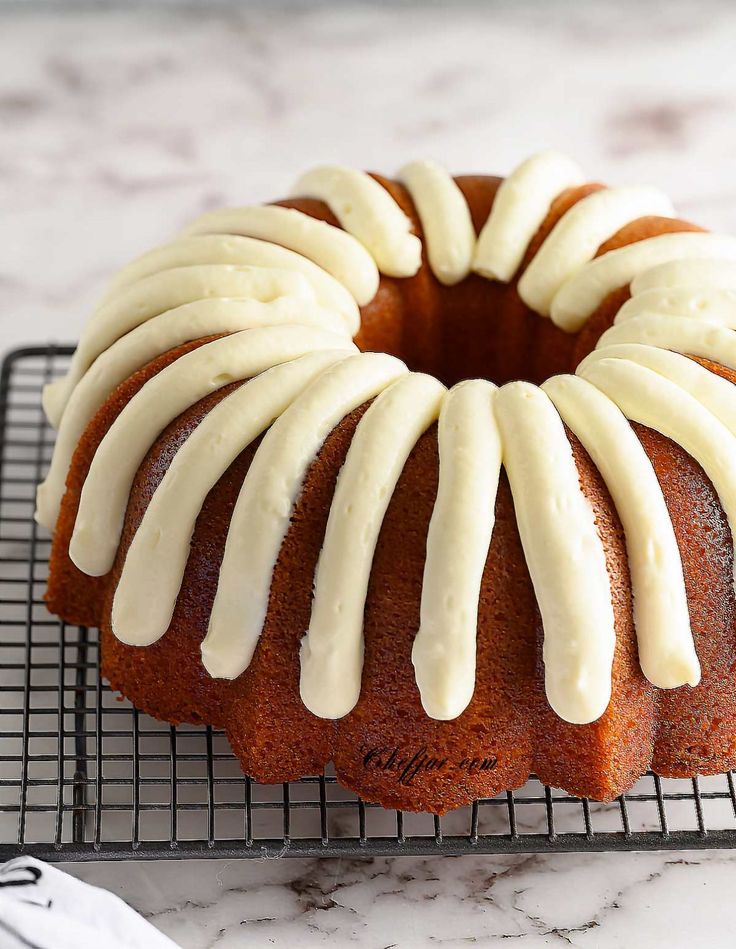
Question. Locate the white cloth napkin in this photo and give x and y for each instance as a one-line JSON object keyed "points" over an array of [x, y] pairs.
{"points": [[43, 908]]}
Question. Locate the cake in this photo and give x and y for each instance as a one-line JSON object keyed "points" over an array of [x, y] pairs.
{"points": [[429, 478]]}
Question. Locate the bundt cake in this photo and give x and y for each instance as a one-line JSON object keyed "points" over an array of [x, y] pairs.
{"points": [[288, 493]]}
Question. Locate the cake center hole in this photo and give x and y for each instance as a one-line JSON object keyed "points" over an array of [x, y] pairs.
{"points": [[486, 332]]}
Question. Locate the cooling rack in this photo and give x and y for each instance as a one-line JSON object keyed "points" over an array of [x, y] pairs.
{"points": [[85, 776]]}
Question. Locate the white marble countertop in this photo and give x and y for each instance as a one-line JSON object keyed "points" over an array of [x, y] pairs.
{"points": [[116, 127]]}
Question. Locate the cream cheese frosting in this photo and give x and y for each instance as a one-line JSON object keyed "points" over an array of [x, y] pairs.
{"points": [[712, 391], [576, 237], [104, 497], [714, 305], [563, 551], [458, 540], [236, 250], [694, 271], [163, 291], [331, 248], [368, 212], [287, 289], [183, 324], [683, 335], [154, 566], [584, 291], [445, 216], [522, 203], [260, 519], [649, 398], [332, 650], [666, 648]]}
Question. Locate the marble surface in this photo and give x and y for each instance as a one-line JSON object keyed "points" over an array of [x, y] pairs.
{"points": [[118, 126]]}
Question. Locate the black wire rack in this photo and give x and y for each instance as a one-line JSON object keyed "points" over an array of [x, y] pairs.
{"points": [[85, 776]]}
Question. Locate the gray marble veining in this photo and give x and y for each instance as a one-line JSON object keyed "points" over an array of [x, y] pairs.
{"points": [[117, 126]]}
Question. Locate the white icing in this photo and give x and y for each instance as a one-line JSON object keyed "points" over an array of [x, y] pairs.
{"points": [[262, 512], [334, 250], [154, 564], [646, 397], [457, 548], [160, 292], [563, 551], [698, 271], [445, 216], [521, 204], [576, 237], [332, 650], [683, 335], [712, 305], [584, 291], [166, 395], [236, 250], [367, 211], [666, 648], [714, 392], [164, 332], [287, 288]]}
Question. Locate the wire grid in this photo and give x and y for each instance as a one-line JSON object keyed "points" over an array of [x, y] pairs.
{"points": [[85, 776]]}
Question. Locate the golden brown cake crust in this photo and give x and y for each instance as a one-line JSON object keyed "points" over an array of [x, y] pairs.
{"points": [[387, 749]]}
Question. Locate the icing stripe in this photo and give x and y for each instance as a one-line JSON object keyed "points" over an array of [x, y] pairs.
{"points": [[154, 565], [693, 272], [367, 211], [236, 250], [710, 305], [262, 512], [332, 650], [576, 237], [166, 395], [648, 398], [683, 335], [563, 551], [457, 548], [585, 290], [160, 334], [711, 390], [666, 648], [332, 249], [445, 216], [164, 291], [521, 204]]}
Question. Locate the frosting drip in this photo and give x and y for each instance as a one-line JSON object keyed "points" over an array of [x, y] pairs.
{"points": [[646, 397], [106, 489], [712, 391], [332, 650], [563, 551], [711, 305], [584, 292], [270, 489], [181, 325], [332, 249], [666, 649], [705, 272], [521, 205], [577, 236], [445, 216], [683, 335], [154, 565], [458, 540], [163, 291], [237, 251], [368, 212]]}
